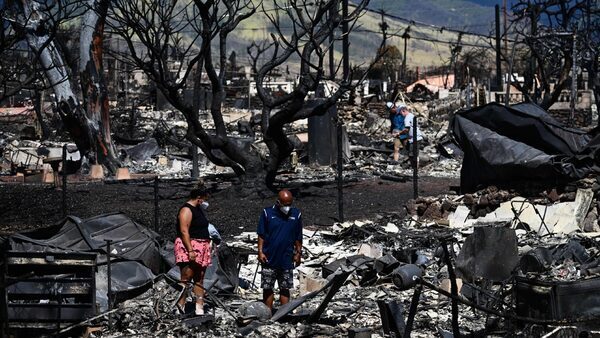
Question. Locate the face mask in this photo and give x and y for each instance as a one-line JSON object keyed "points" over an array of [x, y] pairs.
{"points": [[204, 205], [285, 209]]}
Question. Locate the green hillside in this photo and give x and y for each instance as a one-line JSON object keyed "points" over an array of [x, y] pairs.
{"points": [[458, 14], [367, 37]]}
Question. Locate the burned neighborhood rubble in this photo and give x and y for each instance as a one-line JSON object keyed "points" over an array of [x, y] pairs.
{"points": [[431, 172], [524, 266], [159, 146], [521, 260]]}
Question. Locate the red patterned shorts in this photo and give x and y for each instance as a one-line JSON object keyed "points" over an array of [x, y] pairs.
{"points": [[200, 246]]}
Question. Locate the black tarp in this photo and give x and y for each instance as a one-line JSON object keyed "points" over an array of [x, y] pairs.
{"points": [[521, 143], [137, 257], [143, 151], [135, 251], [130, 240]]}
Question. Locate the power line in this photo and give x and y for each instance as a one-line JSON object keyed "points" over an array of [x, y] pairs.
{"points": [[426, 39], [423, 24]]}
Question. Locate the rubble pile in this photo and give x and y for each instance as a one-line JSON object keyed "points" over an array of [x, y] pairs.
{"points": [[369, 267], [476, 205], [153, 142], [362, 276], [574, 208], [370, 141], [377, 268]]}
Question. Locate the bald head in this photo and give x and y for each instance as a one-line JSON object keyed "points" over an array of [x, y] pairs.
{"points": [[285, 197]]}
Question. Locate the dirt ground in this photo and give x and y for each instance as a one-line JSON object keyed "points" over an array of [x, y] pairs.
{"points": [[30, 206]]}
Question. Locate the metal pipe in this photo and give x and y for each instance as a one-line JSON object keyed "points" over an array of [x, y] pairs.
{"points": [[498, 51], [346, 43], [453, 290], [573, 82], [415, 160], [64, 180], [156, 216], [340, 170], [332, 15], [109, 281], [405, 37], [413, 310]]}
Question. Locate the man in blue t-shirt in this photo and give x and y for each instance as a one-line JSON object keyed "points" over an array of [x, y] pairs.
{"points": [[279, 247], [397, 125]]}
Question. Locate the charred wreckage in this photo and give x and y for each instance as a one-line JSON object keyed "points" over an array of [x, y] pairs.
{"points": [[494, 259]]}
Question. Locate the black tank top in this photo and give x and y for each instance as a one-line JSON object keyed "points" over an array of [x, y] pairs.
{"points": [[198, 225]]}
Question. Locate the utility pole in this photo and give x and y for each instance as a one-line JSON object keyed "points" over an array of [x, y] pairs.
{"points": [[332, 18], [384, 26], [505, 27], [498, 51], [405, 36]]}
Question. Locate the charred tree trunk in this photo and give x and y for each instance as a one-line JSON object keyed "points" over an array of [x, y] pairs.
{"points": [[93, 81], [85, 132], [56, 72], [39, 112]]}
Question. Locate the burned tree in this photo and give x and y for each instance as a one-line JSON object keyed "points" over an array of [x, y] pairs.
{"points": [[19, 70], [389, 64], [91, 74], [552, 33], [16, 69], [311, 28], [153, 31], [197, 31], [39, 22]]}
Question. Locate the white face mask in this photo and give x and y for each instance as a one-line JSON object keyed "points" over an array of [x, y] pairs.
{"points": [[285, 209], [204, 205]]}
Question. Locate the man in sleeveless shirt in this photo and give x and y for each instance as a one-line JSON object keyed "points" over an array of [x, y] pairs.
{"points": [[279, 247]]}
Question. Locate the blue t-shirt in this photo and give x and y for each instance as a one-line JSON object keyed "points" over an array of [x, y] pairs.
{"points": [[398, 124], [279, 233]]}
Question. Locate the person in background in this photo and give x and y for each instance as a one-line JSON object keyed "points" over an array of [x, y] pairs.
{"points": [[279, 247], [409, 126], [193, 247], [397, 125]]}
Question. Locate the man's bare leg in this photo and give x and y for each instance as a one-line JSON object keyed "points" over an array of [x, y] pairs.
{"points": [[268, 297], [284, 296]]}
